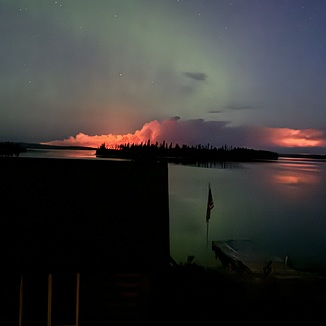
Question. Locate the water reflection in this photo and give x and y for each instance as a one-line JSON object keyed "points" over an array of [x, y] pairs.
{"points": [[217, 165], [300, 164], [297, 171], [59, 153], [295, 179], [279, 205]]}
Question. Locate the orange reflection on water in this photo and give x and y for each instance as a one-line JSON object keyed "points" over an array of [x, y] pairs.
{"points": [[297, 171], [295, 179]]}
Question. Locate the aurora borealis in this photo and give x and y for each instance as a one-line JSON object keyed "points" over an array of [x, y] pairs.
{"points": [[246, 73]]}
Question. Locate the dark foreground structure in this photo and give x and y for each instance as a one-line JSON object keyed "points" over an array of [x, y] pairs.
{"points": [[86, 242], [79, 236]]}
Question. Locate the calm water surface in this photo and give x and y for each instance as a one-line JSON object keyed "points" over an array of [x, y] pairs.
{"points": [[280, 206]]}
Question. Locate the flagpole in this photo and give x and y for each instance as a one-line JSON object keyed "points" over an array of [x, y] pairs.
{"points": [[210, 205], [207, 234]]}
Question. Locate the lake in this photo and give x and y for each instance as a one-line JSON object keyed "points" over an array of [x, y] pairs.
{"points": [[280, 206]]}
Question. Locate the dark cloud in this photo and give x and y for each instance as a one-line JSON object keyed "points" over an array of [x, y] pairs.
{"points": [[176, 117], [239, 107], [215, 111], [199, 131], [200, 76]]}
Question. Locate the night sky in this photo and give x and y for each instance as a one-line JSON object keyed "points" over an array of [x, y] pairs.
{"points": [[243, 73]]}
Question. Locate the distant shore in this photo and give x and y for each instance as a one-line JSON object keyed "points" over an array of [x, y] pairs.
{"points": [[99, 152], [185, 153]]}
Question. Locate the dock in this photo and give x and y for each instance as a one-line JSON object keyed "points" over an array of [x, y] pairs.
{"points": [[244, 256]]}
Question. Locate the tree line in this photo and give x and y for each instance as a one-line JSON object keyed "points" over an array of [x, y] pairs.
{"points": [[184, 153], [9, 149]]}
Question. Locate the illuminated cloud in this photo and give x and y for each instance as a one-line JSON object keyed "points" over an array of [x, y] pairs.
{"points": [[200, 132], [150, 131], [285, 137]]}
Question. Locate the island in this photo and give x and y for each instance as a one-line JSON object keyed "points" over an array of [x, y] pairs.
{"points": [[184, 154]]}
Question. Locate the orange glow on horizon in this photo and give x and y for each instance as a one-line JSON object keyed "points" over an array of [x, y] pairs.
{"points": [[150, 131], [176, 131], [286, 137]]}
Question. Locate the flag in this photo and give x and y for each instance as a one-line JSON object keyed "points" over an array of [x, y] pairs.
{"points": [[210, 203]]}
